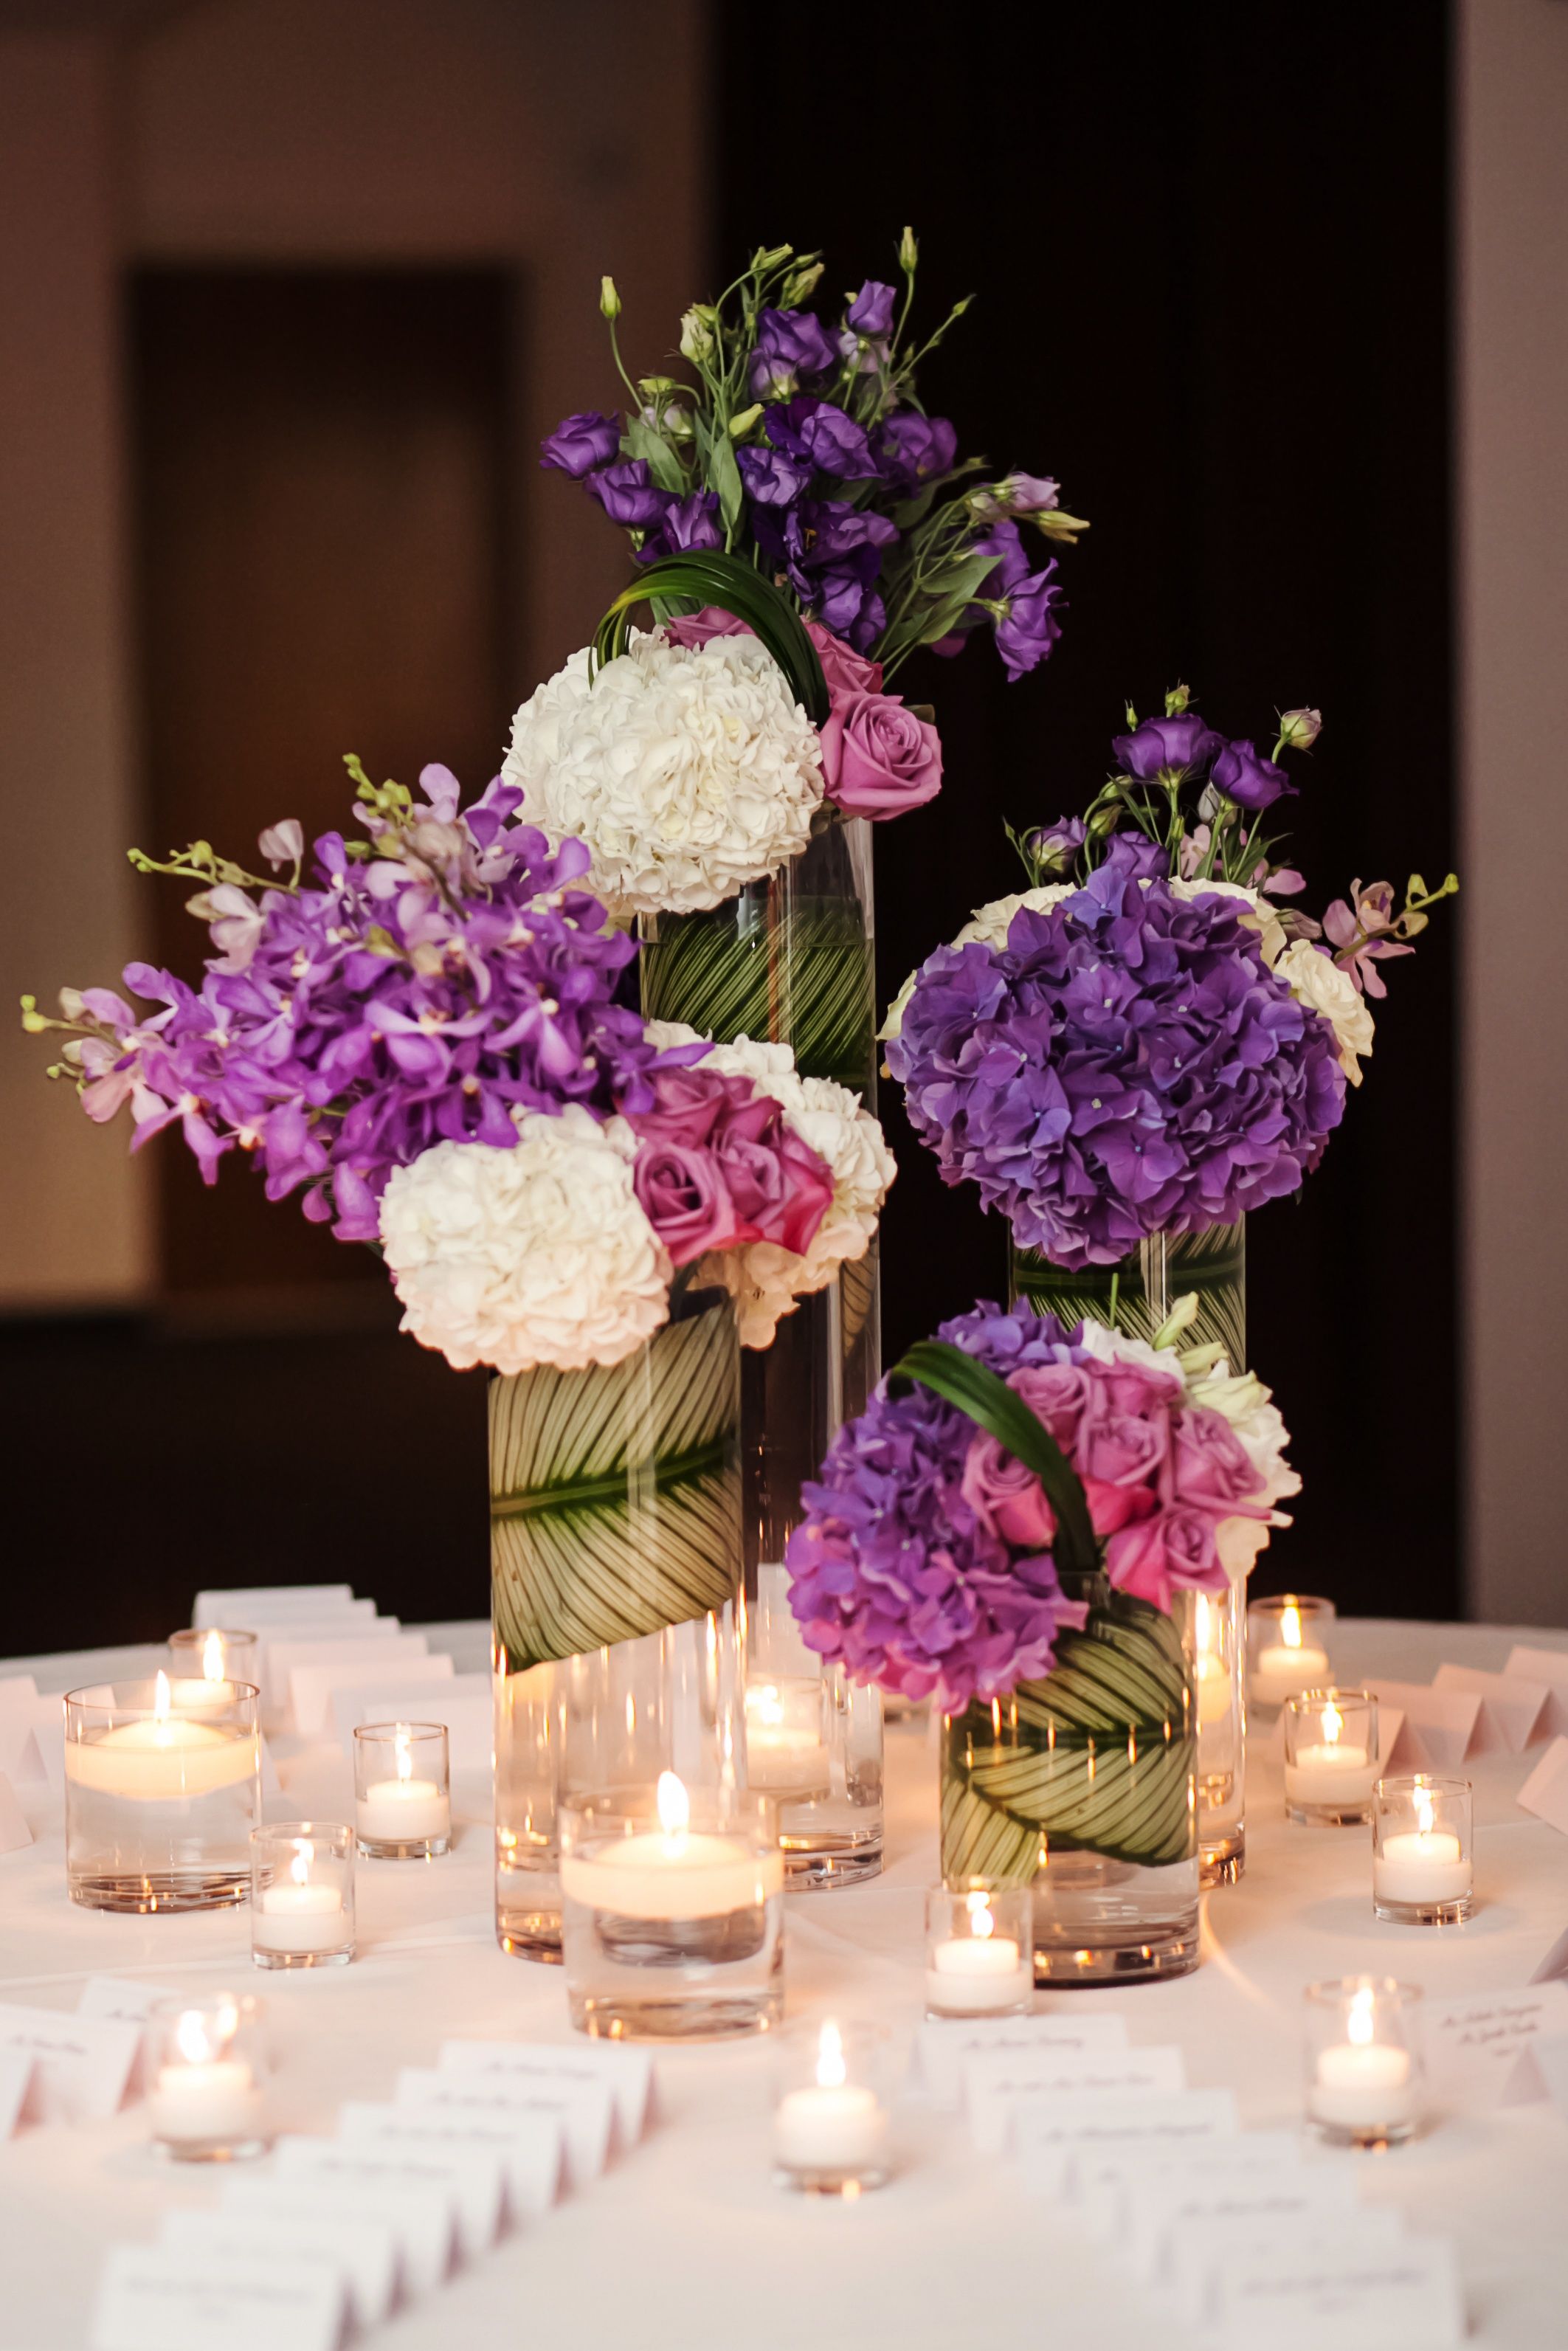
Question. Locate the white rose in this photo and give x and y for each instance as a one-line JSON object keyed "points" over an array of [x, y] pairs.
{"points": [[538, 1255], [1261, 917], [1317, 980], [687, 770], [988, 927]]}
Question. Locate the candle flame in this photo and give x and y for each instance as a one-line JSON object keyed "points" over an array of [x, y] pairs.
{"points": [[1334, 1723], [1290, 1626], [299, 1868], [674, 1806], [831, 2070], [1424, 1812], [1202, 1632], [764, 1703], [982, 1920], [212, 1665], [191, 2038], [402, 1754], [1358, 2023]]}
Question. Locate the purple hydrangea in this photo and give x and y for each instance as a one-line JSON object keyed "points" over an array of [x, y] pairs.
{"points": [[1125, 1064], [894, 1575]]}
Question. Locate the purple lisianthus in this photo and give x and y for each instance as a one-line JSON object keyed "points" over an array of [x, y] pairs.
{"points": [[1125, 1064], [688, 522], [1242, 773], [792, 346], [629, 495], [871, 312], [913, 449], [772, 478], [1028, 626], [580, 442], [1183, 741], [1016, 494]]}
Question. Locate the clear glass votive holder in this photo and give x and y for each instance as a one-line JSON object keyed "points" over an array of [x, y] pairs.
{"points": [[201, 1659], [1218, 1668], [160, 1798], [979, 1949], [1422, 1869], [1366, 2081], [1331, 1756], [402, 1790], [208, 2062], [302, 1894], [1287, 1646], [830, 2115], [672, 1912]]}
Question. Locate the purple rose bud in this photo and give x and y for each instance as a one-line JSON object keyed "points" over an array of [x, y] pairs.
{"points": [[871, 312], [580, 442], [1243, 775], [1183, 741], [628, 495]]}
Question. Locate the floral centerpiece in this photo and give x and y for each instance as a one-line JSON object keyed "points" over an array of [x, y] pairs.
{"points": [[1013, 1527]]}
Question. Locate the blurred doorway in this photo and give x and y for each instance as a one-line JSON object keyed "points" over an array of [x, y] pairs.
{"points": [[322, 475]]}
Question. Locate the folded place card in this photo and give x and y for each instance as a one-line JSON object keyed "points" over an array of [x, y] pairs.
{"points": [[466, 1703], [363, 2252], [1404, 2298], [943, 2049], [1548, 1669], [421, 2219], [626, 2074], [33, 1738], [1106, 2187], [15, 2079], [1482, 2049], [1001, 2091], [151, 2299], [243, 1606], [473, 2183], [585, 2110], [14, 1831], [311, 1689], [1545, 1793], [531, 2148], [1264, 2198], [1058, 2134], [13, 1686], [383, 1643], [121, 2002], [1555, 1963], [1439, 1725], [21, 1754], [81, 2064], [1511, 1708]]}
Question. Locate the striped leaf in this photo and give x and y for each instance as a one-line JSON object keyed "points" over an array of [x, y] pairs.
{"points": [[709, 576], [615, 1493], [801, 974], [1099, 1757], [1136, 1296]]}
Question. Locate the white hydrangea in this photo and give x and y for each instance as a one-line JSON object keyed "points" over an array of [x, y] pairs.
{"points": [[1261, 917], [1316, 979], [538, 1255], [988, 927], [765, 1278], [687, 772]]}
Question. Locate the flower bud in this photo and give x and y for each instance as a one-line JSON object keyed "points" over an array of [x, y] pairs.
{"points": [[800, 285], [609, 300], [772, 258], [1102, 821], [908, 252], [1177, 699], [739, 426], [1300, 729], [696, 333]]}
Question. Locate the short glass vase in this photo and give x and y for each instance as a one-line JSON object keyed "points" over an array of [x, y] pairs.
{"points": [[160, 1799]]}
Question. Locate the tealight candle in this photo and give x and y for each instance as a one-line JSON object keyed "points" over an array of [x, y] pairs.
{"points": [[302, 1894], [786, 1752], [830, 2131], [206, 1661], [1285, 1655], [206, 2103], [980, 1958], [1363, 2073], [1331, 1755], [401, 1812], [1421, 1868]]}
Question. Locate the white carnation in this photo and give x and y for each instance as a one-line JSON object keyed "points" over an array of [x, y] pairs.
{"points": [[687, 772], [1317, 980], [1260, 916], [988, 927], [538, 1255]]}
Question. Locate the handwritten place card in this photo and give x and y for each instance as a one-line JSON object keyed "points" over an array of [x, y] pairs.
{"points": [[81, 2064], [626, 2074], [422, 2221], [1058, 2134], [471, 2182], [14, 1831], [1000, 2091], [943, 2048], [1174, 2208], [365, 2253], [1439, 1725], [1512, 1709], [1545, 1793], [1482, 2049], [585, 2110], [15, 2080], [1105, 2188], [529, 2148], [1295, 2298], [151, 2299], [118, 2001]]}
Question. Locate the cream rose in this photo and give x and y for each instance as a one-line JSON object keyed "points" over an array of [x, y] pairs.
{"points": [[1316, 979]]}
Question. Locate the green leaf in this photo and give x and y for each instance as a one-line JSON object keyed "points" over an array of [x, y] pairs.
{"points": [[992, 1405], [724, 476], [662, 461], [934, 615], [709, 577], [914, 509]]}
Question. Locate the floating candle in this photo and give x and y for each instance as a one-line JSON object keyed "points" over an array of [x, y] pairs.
{"points": [[163, 1756], [671, 1873]]}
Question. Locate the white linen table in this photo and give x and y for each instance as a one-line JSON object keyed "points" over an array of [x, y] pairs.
{"points": [[685, 2245]]}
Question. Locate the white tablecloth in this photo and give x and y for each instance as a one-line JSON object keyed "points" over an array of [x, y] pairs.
{"points": [[685, 2245]]}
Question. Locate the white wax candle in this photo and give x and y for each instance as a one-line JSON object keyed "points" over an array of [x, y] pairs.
{"points": [[1213, 1689], [829, 2127], [1329, 1774], [1362, 2085], [660, 1874], [162, 1758], [1282, 1672], [300, 1919], [1421, 1866], [977, 1975], [785, 1749], [402, 1811], [214, 2101]]}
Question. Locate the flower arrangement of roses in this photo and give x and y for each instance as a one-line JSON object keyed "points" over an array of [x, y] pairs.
{"points": [[799, 469], [1012, 1453], [422, 1041], [1145, 1039]]}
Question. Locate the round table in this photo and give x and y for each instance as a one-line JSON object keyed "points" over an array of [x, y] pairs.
{"points": [[684, 2245]]}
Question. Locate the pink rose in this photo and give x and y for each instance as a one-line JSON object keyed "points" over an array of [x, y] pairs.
{"points": [[695, 629], [777, 1187], [846, 670], [1209, 1465], [1007, 1497], [684, 1197], [1057, 1395], [1125, 1386], [878, 759], [1172, 1551], [1119, 1459]]}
